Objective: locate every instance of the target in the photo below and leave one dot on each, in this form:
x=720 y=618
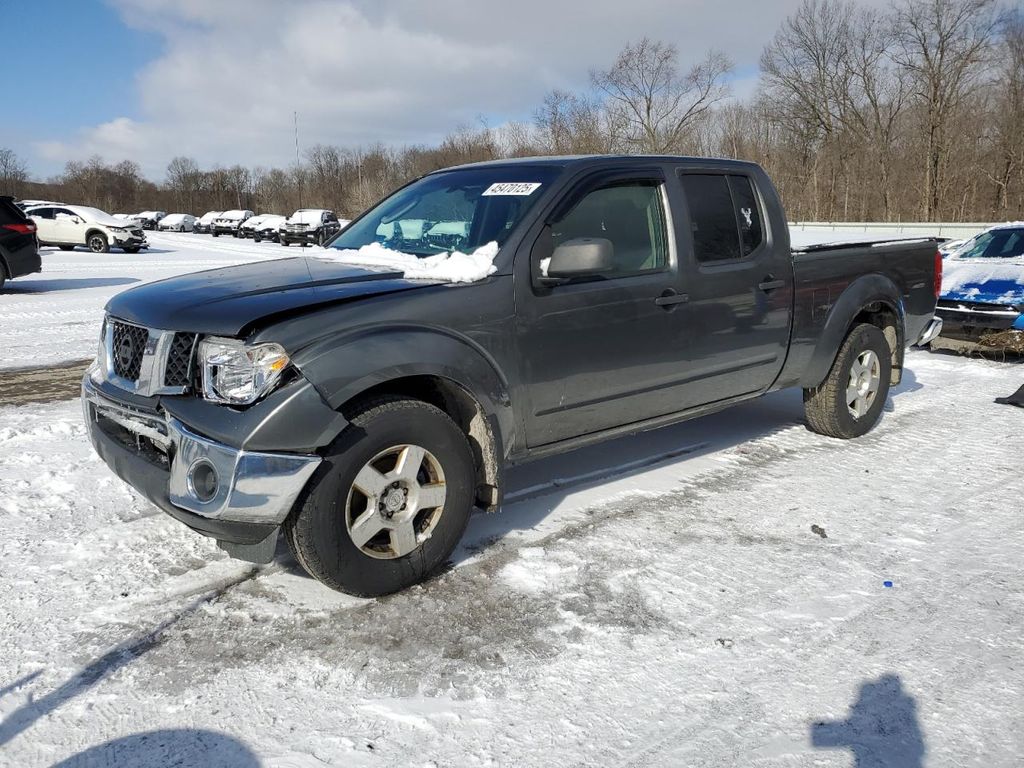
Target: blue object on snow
x=886 y=583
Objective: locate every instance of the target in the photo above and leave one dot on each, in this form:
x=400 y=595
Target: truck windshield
x=451 y=211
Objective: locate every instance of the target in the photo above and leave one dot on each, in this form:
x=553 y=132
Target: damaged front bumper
x=238 y=497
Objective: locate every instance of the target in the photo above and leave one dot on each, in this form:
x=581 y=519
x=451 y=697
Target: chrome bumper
x=933 y=329
x=251 y=487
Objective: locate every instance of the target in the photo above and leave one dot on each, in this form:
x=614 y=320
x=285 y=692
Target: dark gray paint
x=553 y=367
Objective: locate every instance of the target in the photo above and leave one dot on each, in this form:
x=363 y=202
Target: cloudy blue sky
x=220 y=80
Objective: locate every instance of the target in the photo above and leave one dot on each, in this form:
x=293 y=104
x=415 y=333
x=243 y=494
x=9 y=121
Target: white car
x=69 y=225
x=204 y=224
x=177 y=222
x=229 y=222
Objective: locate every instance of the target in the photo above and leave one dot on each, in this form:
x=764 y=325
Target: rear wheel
x=850 y=401
x=390 y=501
x=97 y=243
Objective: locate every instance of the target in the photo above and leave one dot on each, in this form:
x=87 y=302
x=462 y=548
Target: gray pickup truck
x=364 y=406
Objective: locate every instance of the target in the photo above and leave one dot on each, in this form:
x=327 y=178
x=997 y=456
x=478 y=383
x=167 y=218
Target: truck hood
x=225 y=301
x=985 y=280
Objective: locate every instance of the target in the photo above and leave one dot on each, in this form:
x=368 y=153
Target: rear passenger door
x=740 y=288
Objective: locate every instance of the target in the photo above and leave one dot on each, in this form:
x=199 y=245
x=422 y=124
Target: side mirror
x=581 y=257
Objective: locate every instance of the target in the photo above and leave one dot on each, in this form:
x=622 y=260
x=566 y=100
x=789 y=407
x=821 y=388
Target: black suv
x=310 y=226
x=19 y=249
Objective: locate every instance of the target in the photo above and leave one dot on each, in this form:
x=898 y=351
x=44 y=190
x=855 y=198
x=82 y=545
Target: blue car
x=983 y=285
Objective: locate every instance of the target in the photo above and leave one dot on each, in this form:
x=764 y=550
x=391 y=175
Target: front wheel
x=215 y=233
x=256 y=238
x=850 y=400
x=98 y=243
x=390 y=501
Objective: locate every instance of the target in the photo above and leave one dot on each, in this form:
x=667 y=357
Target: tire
x=827 y=408
x=284 y=242
x=215 y=233
x=66 y=247
x=98 y=243
x=130 y=249
x=318 y=530
x=256 y=238
x=3 y=276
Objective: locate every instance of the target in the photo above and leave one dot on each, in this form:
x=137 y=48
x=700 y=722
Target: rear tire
x=399 y=547
x=98 y=243
x=850 y=400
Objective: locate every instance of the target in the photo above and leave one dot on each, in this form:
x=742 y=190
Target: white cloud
x=398 y=71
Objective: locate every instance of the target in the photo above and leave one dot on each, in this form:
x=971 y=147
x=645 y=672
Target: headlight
x=237 y=373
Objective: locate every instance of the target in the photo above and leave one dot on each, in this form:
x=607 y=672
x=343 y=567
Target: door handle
x=670 y=298
x=770 y=284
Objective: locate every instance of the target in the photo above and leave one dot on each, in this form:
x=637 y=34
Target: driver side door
x=69 y=227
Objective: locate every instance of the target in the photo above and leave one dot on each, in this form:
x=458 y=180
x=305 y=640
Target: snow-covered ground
x=710 y=594
x=655 y=601
x=55 y=316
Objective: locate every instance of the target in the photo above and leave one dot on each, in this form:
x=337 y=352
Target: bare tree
x=943 y=46
x=657 y=102
x=183 y=176
x=13 y=173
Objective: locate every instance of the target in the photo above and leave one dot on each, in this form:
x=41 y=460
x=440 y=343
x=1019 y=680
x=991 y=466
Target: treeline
x=860 y=114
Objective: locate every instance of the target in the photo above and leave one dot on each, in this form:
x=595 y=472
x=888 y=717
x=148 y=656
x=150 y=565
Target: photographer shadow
x=882 y=730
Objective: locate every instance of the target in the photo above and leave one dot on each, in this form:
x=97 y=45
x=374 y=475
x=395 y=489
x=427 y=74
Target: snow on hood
x=174 y=218
x=988 y=280
x=209 y=216
x=235 y=215
x=454 y=267
x=270 y=221
x=96 y=216
x=309 y=216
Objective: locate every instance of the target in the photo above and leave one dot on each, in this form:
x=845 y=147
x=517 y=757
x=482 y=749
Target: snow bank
x=454 y=267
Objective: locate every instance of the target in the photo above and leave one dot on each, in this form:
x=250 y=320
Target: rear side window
x=724 y=215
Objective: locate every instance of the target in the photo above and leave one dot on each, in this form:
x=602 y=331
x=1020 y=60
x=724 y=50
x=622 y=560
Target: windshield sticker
x=512 y=188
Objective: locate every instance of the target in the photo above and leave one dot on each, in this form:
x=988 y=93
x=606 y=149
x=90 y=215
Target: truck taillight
x=22 y=229
x=938 y=275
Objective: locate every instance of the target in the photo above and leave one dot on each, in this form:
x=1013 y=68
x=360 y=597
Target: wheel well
x=884 y=317
x=92 y=232
x=466 y=411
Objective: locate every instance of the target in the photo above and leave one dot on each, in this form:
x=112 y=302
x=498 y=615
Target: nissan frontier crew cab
x=364 y=398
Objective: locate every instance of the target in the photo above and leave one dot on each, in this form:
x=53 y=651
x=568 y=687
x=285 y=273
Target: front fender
x=861 y=293
x=343 y=366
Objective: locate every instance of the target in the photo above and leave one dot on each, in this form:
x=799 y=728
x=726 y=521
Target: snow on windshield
x=453 y=267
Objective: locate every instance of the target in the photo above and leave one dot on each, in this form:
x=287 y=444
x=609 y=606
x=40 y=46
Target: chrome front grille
x=147 y=361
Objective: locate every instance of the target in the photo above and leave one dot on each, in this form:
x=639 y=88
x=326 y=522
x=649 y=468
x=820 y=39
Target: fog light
x=202 y=480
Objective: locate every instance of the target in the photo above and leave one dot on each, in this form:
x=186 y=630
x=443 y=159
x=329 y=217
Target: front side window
x=454 y=210
x=724 y=216
x=630 y=215
x=994 y=244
